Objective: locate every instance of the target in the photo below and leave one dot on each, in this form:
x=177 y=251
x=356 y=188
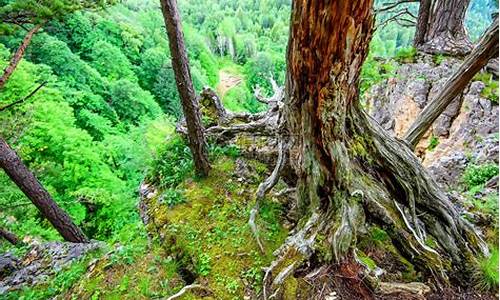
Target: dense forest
x=94 y=110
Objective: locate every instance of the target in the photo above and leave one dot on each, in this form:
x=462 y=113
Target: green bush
x=406 y=54
x=478 y=175
x=173 y=164
x=490 y=90
x=487 y=277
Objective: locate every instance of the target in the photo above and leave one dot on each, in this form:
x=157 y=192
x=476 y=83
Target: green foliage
x=478 y=175
x=132 y=103
x=433 y=143
x=438 y=58
x=487 y=275
x=490 y=91
x=111 y=62
x=375 y=71
x=173 y=164
x=172 y=197
x=406 y=55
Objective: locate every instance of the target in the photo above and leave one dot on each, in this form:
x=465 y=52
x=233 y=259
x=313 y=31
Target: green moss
x=378 y=234
x=366 y=260
x=221 y=247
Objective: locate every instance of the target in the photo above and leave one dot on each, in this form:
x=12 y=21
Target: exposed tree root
x=188 y=288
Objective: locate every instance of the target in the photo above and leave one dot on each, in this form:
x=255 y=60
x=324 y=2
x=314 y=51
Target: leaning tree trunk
x=486 y=49
x=16 y=58
x=9 y=236
x=440 y=27
x=31 y=187
x=351 y=172
x=189 y=101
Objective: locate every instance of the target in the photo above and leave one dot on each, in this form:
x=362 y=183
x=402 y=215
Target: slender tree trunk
x=9 y=236
x=31 y=187
x=351 y=173
x=188 y=97
x=486 y=49
x=440 y=27
x=422 y=22
x=18 y=55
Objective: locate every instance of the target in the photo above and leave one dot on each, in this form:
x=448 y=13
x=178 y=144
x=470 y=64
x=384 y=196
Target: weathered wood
x=32 y=188
x=180 y=64
x=486 y=49
x=14 y=61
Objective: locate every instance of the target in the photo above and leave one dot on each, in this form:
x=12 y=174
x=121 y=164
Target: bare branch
x=391 y=5
x=25 y=98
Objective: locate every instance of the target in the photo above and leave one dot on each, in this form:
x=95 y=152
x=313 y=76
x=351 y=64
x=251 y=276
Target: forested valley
x=254 y=149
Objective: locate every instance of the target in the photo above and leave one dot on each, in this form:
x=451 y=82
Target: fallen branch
x=188 y=288
x=25 y=98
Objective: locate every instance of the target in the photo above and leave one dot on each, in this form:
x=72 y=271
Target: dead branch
x=391 y=5
x=24 y=98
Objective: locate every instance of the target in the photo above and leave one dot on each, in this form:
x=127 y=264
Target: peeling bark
x=350 y=171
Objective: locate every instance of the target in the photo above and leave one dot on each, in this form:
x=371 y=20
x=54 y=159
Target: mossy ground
x=209 y=233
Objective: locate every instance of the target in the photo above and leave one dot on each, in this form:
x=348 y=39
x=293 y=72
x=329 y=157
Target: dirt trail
x=226 y=82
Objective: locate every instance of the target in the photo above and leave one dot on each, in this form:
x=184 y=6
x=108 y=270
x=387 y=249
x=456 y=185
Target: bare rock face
x=39 y=264
x=467 y=131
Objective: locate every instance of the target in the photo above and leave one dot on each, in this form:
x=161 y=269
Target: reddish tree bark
x=187 y=94
x=18 y=55
x=31 y=187
x=351 y=173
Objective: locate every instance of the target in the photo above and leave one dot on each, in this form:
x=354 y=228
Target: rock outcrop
x=467 y=131
x=39 y=264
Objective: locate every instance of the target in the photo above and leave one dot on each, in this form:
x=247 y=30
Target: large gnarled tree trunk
x=440 y=27
x=351 y=172
x=31 y=187
x=188 y=97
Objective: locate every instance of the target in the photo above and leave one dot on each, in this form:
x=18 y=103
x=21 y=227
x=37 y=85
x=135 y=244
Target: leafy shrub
x=478 y=175
x=406 y=54
x=490 y=90
x=433 y=143
x=173 y=164
x=172 y=197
